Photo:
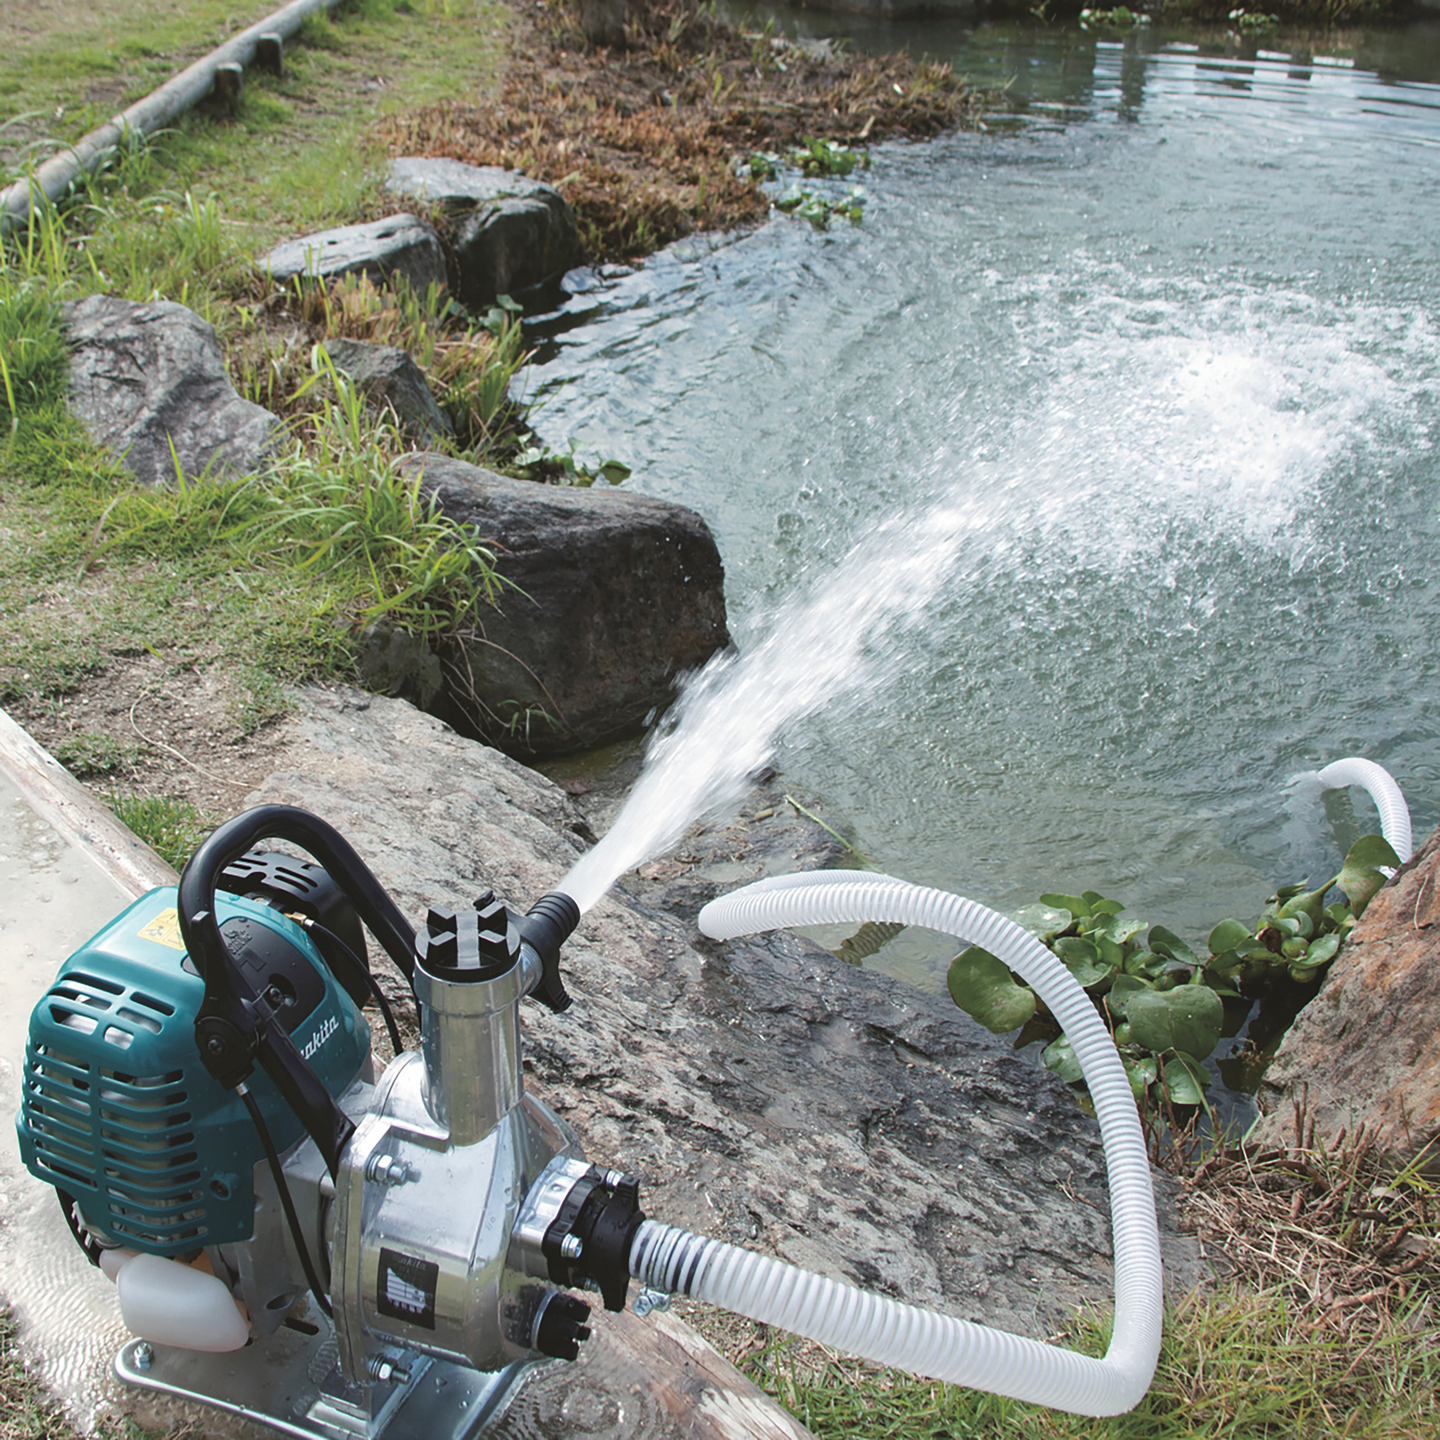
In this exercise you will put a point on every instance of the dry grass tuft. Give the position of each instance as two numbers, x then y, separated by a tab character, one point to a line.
1351	1240
642	141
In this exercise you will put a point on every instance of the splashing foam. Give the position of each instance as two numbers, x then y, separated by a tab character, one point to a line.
828	649
1163	428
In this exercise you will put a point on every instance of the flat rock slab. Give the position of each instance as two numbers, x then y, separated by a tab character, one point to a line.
512	233
614	596
765	1092
399	245
148	382
1366	1049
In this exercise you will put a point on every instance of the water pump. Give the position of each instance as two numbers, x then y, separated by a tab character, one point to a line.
393	1252
200	1092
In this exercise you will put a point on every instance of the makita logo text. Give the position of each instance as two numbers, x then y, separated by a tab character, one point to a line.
320	1037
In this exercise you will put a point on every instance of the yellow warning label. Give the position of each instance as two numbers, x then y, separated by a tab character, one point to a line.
164	929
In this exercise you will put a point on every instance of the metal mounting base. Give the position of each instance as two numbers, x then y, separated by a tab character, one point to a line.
292	1383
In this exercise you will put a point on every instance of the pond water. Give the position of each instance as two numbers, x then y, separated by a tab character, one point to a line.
1157	355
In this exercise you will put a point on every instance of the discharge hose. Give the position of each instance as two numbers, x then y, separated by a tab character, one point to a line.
1389	801
888	1332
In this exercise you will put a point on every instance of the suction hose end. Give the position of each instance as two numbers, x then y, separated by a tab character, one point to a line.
549	923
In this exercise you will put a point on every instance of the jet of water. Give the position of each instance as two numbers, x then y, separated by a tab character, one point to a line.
825	649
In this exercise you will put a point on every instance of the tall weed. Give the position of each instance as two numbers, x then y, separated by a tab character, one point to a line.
341	510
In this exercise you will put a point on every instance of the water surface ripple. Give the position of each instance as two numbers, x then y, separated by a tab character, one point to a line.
1165	349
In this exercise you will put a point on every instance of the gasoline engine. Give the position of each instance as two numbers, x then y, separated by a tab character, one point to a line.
199	1090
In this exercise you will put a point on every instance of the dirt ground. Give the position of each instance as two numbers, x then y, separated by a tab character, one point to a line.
174	733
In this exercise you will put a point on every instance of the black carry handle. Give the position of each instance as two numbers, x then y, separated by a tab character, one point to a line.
232	1029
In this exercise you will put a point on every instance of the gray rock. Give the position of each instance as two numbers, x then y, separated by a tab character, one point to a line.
146	377
615	596
387	376
765	1092
398	245
1365	1052
511	233
395	662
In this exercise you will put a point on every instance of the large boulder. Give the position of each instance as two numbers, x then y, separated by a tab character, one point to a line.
765	1092
610	597
148	381
1366	1049
511	233
397	245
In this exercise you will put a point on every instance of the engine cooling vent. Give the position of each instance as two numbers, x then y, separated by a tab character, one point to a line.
121	1141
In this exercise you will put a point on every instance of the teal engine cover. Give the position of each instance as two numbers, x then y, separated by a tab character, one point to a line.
118	1112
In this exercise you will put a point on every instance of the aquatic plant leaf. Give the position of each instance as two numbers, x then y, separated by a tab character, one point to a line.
1079	908
1231	935
1373	851
1188	1018
1082	960
1185	1079
984	989
1044	922
1141	1073
1169	944
1123	991
1059	1056
1361	878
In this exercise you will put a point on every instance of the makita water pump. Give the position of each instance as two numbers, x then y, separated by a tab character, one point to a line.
392	1252
437	1219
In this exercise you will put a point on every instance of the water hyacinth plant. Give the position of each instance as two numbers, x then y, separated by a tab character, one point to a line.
1166	1006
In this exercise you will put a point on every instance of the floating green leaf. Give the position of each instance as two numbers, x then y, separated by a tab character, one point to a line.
1231	935
1125	988
1141	1073
1361	877
1082	960
1184	1079
1171	946
1188	1018
1079	908
1043	921
984	989
1059	1056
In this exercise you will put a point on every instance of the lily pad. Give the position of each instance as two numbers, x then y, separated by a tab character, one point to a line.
1077	907
1123	991
1231	935
1044	922
1361	877
984	989
1141	1073
1169	944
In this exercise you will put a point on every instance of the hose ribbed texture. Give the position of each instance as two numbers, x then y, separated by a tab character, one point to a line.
1389	801
886	1331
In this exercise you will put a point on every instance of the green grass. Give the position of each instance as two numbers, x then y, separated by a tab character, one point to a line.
270	579
28	1413
171	827
297	154
1232	1367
